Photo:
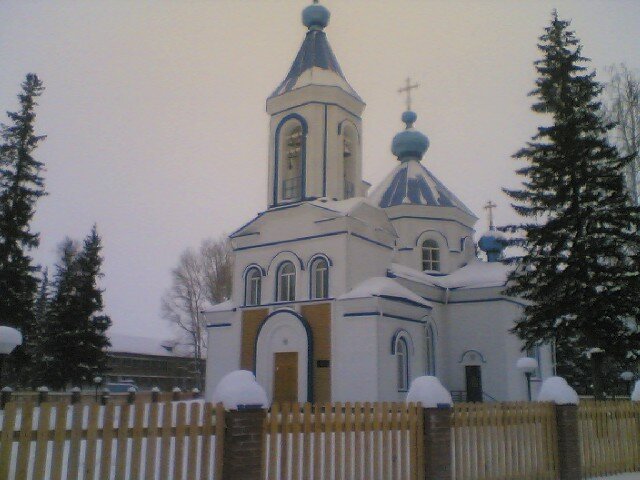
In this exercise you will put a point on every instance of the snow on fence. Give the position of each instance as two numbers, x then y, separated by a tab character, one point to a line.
168	441
610	437
504	440
344	441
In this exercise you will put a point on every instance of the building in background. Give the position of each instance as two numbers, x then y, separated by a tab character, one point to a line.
149	362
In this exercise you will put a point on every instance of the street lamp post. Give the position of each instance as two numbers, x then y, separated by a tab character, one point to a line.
527	366
97	381
10	338
628	378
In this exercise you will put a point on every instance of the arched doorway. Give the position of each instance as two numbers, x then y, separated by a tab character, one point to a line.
283	353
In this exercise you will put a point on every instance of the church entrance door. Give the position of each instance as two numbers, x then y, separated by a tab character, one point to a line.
285	377
474	383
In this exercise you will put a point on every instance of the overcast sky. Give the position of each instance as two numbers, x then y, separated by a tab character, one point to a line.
154	110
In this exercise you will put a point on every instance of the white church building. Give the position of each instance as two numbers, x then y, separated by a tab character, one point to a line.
346	293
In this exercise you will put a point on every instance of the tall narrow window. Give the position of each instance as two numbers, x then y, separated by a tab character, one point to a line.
349	146
319	278
286	282
430	256
253	287
430	350
402	358
292	178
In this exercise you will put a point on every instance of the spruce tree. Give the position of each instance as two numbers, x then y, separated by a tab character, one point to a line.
74	337
21	184
581	266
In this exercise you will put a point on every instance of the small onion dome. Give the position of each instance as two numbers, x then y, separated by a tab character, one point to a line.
493	243
410	143
315	17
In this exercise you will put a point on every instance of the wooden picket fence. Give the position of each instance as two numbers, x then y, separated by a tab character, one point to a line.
337	441
504	440
610	437
91	442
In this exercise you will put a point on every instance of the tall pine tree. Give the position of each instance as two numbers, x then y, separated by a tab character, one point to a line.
74	337
581	265
21	184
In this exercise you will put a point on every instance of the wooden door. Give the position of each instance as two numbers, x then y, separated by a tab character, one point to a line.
474	383
285	377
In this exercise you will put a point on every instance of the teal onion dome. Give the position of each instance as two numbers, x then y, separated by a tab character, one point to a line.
409	143
315	16
493	243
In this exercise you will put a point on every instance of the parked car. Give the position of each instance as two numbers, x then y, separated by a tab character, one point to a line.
120	387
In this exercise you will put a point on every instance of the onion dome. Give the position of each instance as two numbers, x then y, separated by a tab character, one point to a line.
315	16
410	143
493	243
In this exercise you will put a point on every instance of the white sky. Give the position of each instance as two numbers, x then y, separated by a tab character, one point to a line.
154	110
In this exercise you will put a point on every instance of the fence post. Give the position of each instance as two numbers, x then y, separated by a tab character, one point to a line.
437	443
155	395
131	395
569	458
5	396
43	395
176	393
243	441
75	395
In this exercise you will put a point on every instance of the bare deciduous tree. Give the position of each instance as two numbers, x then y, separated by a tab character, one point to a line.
201	277
622	106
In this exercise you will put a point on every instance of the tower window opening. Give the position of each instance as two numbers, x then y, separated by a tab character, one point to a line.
348	163
292	182
430	256
286	287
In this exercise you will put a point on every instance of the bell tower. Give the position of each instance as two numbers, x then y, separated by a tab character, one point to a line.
315	134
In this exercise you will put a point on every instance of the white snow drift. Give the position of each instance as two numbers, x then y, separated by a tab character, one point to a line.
239	388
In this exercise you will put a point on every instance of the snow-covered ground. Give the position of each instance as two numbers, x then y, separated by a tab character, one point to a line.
622	476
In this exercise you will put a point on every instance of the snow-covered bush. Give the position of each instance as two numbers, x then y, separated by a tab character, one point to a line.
429	391
240	388
558	391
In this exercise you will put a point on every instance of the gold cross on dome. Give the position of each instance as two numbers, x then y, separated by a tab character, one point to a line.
490	206
408	89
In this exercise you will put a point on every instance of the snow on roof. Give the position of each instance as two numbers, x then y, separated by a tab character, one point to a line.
315	64
219	307
476	274
412	183
384	287
344	207
144	345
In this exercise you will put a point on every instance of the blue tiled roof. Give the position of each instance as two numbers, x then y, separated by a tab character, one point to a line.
314	52
410	183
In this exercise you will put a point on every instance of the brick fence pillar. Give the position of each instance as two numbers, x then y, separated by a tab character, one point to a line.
570	462
243	440
437	443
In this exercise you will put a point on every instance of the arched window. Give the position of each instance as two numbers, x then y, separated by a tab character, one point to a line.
402	358
293	145
430	256
430	350
320	278
253	287
286	287
349	156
